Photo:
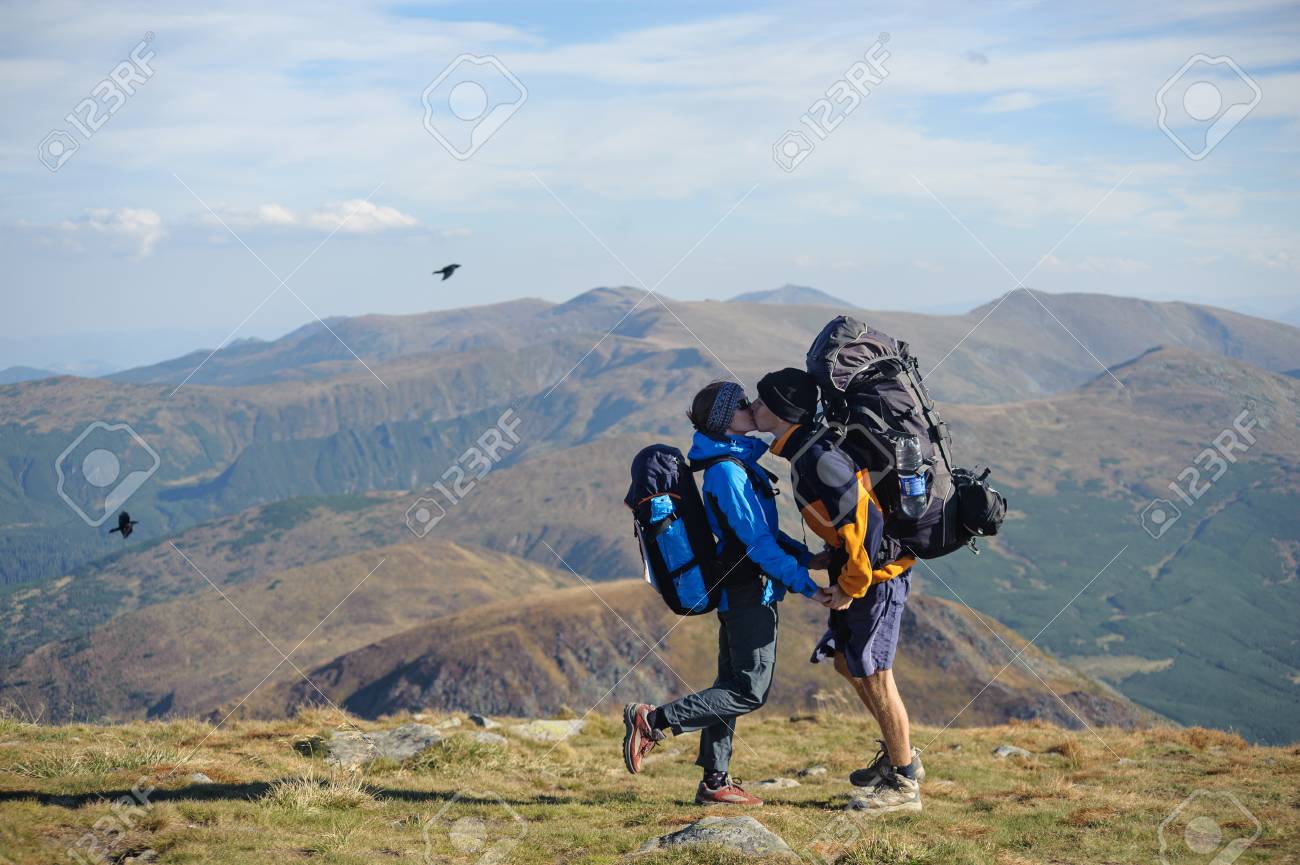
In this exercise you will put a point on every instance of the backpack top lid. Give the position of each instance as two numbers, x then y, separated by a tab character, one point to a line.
844	348
656	469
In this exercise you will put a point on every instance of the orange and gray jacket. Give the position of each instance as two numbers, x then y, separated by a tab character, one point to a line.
838	503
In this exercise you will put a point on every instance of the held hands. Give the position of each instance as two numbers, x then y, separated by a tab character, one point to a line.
833	598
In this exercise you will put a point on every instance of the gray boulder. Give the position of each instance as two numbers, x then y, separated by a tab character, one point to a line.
351	749
777	784
743	834
813	772
1005	751
483	721
486	738
548	731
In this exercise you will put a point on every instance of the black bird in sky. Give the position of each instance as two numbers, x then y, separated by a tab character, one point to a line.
125	525
447	271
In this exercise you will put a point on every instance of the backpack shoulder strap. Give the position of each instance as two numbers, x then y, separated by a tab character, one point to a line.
767	489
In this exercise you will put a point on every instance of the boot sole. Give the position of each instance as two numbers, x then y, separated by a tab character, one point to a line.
920	777
706	802
629	727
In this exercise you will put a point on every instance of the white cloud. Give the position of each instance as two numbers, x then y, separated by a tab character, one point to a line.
261	216
683	117
359	216
137	228
356	216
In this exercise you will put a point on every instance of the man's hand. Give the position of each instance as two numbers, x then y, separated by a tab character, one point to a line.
834	598
820	562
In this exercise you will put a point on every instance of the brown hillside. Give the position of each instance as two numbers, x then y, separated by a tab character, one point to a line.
191	655
1173	402
572	648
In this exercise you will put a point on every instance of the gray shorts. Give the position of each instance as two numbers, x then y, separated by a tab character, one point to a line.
867	632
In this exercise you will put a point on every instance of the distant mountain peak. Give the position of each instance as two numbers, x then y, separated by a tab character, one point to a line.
16	374
797	295
623	294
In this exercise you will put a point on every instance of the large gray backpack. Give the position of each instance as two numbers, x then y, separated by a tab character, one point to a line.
872	393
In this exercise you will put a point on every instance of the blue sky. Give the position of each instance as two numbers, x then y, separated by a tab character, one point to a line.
644	147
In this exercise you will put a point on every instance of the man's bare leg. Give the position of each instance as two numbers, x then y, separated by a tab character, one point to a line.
881	692
842	667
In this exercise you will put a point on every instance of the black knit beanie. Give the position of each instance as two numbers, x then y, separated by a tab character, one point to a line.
790	394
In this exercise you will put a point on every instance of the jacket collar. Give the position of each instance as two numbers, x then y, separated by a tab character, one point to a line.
746	448
779	446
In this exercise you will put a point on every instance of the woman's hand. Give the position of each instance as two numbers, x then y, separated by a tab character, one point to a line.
834	598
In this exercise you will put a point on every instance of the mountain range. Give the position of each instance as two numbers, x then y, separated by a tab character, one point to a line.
283	460
793	295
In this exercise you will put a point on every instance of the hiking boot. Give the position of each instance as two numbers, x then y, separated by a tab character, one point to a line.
640	738
729	792
893	793
873	774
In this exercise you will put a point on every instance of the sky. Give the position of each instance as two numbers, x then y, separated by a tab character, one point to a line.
179	175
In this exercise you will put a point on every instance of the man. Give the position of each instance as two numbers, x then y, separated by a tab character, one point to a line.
869	583
760	564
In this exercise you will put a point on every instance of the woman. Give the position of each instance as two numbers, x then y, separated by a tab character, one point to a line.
761	564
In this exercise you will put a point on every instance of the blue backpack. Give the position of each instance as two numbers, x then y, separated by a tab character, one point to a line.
681	558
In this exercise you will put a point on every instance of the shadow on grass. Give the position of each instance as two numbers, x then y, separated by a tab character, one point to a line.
259	789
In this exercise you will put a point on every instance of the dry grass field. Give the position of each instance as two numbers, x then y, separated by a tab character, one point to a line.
66	796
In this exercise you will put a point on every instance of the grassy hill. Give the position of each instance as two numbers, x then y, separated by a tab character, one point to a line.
1208	605
1079	468
1073	800
255	542
585	645
191	655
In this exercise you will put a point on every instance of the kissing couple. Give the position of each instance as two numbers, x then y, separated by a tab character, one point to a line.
867	589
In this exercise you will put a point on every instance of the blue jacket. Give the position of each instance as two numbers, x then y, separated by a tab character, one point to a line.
751	517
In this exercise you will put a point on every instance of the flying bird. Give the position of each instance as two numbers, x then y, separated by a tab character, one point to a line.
447	271
125	525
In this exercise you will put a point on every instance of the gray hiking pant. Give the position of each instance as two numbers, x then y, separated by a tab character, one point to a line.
746	662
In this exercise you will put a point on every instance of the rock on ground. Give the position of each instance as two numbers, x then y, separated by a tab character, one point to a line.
777	784
487	738
813	772
1005	751
350	749
200	778
548	731
743	834
484	721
